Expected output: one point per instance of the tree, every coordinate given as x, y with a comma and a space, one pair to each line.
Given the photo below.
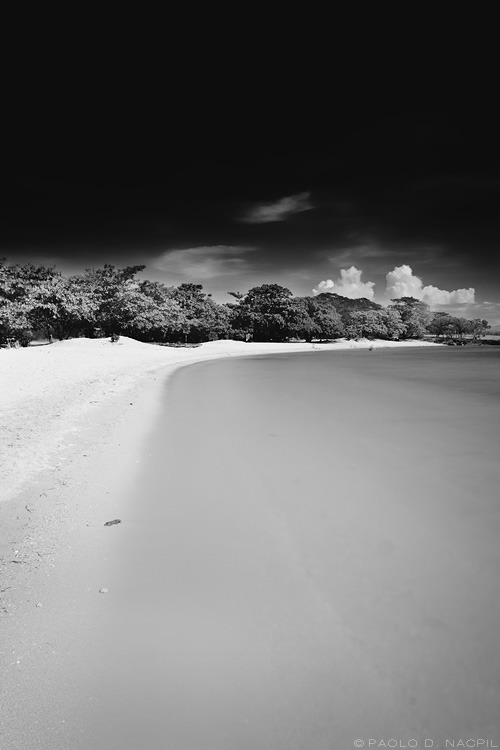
479, 328
415, 316
107, 290
441, 324
462, 327
375, 324
345, 306
237, 295
112, 300
264, 313
28, 300
269, 299
327, 321
445, 325
203, 318
241, 318
299, 323
394, 324
149, 313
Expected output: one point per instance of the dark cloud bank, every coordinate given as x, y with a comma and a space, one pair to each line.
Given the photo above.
232, 199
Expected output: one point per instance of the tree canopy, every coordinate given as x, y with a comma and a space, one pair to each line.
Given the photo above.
40, 302
415, 316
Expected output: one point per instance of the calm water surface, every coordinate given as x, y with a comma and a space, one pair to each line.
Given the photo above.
313, 558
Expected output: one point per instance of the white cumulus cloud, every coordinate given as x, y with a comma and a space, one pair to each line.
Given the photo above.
279, 210
348, 285
401, 282
204, 262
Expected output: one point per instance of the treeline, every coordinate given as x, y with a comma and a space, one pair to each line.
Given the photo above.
38, 302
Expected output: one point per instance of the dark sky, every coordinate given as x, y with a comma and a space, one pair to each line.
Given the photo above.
230, 191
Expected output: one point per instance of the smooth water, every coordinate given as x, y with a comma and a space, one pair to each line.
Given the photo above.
313, 558
322, 536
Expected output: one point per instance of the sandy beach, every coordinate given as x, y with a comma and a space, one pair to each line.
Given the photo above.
75, 419
51, 393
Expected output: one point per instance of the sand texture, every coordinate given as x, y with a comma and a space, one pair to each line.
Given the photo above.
75, 420
48, 393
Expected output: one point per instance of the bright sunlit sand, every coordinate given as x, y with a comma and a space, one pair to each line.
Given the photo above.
49, 393
307, 550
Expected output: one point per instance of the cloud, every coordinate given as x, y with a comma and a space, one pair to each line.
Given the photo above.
279, 210
373, 253
360, 252
402, 283
204, 262
349, 285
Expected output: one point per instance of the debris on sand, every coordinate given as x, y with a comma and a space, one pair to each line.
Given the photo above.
112, 523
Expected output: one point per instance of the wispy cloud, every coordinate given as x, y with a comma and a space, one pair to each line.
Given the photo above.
401, 282
279, 210
369, 251
204, 262
348, 285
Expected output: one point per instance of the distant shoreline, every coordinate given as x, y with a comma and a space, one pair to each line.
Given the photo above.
48, 390
76, 417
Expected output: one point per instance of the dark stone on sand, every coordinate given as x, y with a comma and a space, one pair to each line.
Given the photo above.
112, 523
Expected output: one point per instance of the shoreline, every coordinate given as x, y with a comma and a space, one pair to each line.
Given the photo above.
81, 440
49, 393
76, 417
88, 403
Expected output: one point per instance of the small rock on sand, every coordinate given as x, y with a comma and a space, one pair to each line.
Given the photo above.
103, 591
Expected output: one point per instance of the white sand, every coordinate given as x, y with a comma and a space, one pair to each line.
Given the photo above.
48, 393
74, 418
